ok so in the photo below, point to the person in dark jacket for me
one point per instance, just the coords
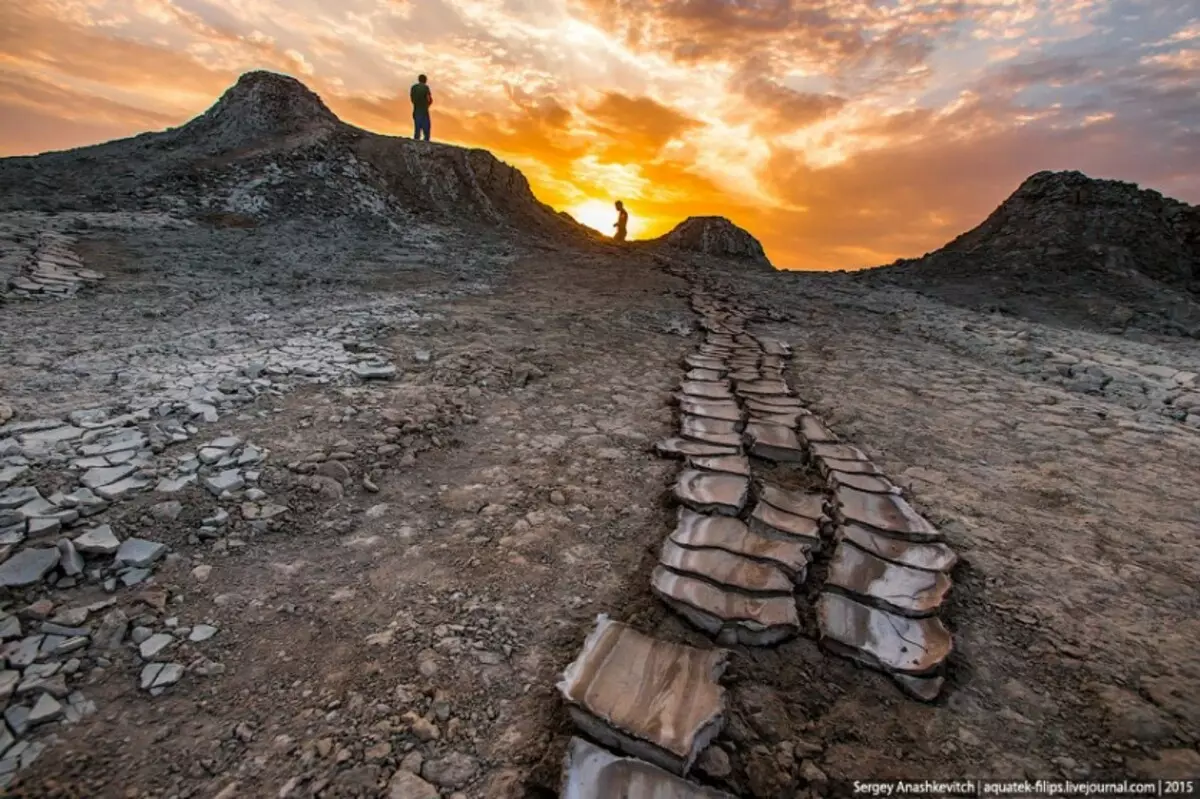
(622, 221)
(421, 98)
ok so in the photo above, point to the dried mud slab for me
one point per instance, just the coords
(787, 419)
(731, 616)
(704, 362)
(887, 512)
(732, 535)
(893, 587)
(769, 520)
(773, 443)
(827, 466)
(745, 374)
(932, 556)
(840, 452)
(814, 431)
(775, 347)
(590, 772)
(726, 568)
(811, 506)
(879, 639)
(776, 388)
(728, 464)
(710, 351)
(705, 375)
(711, 409)
(773, 404)
(706, 390)
(710, 431)
(871, 483)
(682, 448)
(652, 699)
(711, 492)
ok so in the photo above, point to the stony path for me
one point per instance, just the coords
(453, 529)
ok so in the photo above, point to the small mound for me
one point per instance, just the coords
(1065, 248)
(260, 106)
(718, 237)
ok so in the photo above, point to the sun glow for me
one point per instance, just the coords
(602, 216)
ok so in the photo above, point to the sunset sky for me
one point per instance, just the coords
(842, 133)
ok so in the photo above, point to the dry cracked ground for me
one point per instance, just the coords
(379, 489)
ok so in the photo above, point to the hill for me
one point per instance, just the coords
(1072, 250)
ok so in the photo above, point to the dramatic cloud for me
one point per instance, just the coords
(843, 133)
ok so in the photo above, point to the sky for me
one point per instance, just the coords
(841, 133)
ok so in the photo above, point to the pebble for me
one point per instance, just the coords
(139, 552)
(155, 645)
(406, 785)
(98, 541)
(46, 709)
(202, 572)
(202, 632)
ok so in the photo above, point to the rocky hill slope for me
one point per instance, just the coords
(1069, 249)
(270, 148)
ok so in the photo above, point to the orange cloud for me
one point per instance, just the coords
(843, 133)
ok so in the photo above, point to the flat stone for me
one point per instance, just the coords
(98, 541)
(11, 474)
(86, 502)
(43, 526)
(116, 490)
(841, 452)
(775, 347)
(95, 478)
(54, 685)
(728, 464)
(814, 431)
(931, 556)
(18, 496)
(9, 679)
(406, 785)
(28, 567)
(732, 616)
(13, 534)
(705, 389)
(202, 632)
(732, 535)
(170, 674)
(174, 485)
(682, 448)
(873, 484)
(711, 492)
(45, 709)
(774, 443)
(24, 653)
(594, 773)
(798, 503)
(827, 466)
(44, 438)
(656, 700)
(770, 521)
(886, 512)
(17, 717)
(766, 403)
(890, 586)
(10, 628)
(784, 419)
(710, 431)
(228, 480)
(139, 552)
(70, 561)
(703, 362)
(155, 645)
(705, 375)
(776, 388)
(924, 688)
(374, 371)
(726, 568)
(880, 639)
(149, 674)
(711, 409)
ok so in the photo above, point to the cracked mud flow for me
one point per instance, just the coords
(299, 510)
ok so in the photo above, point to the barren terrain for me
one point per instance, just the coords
(412, 610)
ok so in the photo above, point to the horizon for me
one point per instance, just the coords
(854, 133)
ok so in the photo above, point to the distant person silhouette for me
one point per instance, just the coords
(421, 98)
(622, 221)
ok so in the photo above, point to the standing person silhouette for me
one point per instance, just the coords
(622, 221)
(421, 98)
